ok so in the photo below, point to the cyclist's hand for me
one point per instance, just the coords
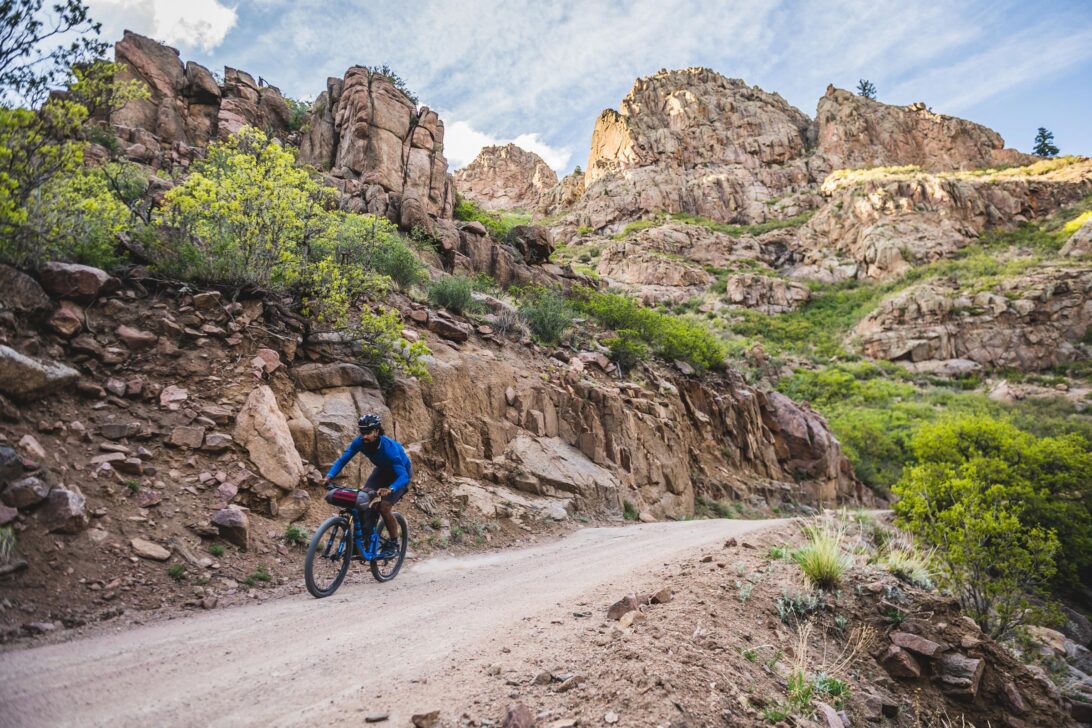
(383, 492)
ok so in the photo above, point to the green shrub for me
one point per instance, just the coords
(629, 510)
(547, 314)
(910, 566)
(455, 293)
(371, 243)
(670, 337)
(245, 214)
(497, 224)
(7, 544)
(299, 112)
(176, 571)
(74, 217)
(216, 549)
(821, 559)
(248, 215)
(797, 606)
(295, 535)
(1009, 513)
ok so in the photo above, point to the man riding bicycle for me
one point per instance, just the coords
(389, 481)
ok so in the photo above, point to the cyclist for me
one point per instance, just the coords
(389, 481)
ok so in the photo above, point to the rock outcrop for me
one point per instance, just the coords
(186, 106)
(854, 131)
(878, 225)
(764, 293)
(506, 178)
(694, 141)
(667, 262)
(1033, 321)
(382, 153)
(563, 195)
(549, 434)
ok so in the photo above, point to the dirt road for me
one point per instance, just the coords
(304, 661)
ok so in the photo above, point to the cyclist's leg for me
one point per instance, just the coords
(378, 479)
(387, 504)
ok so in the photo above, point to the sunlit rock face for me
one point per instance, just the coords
(506, 178)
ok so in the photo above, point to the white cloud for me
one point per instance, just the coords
(462, 142)
(186, 24)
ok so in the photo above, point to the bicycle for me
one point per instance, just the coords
(332, 547)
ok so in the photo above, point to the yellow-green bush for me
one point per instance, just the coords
(1010, 514)
(670, 337)
(248, 215)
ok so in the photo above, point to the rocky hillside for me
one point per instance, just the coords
(506, 178)
(705, 192)
(146, 423)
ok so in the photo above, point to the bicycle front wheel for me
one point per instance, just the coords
(328, 557)
(387, 569)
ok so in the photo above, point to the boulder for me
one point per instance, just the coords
(7, 514)
(324, 422)
(233, 525)
(900, 663)
(25, 492)
(626, 604)
(217, 442)
(310, 377)
(917, 644)
(534, 243)
(960, 675)
(136, 339)
(22, 294)
(1079, 244)
(78, 282)
(187, 436)
(448, 329)
(263, 430)
(294, 506)
(149, 550)
(64, 511)
(24, 378)
(68, 320)
(518, 716)
(11, 466)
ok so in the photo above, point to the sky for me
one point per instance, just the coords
(538, 73)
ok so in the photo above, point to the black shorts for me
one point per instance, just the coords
(382, 478)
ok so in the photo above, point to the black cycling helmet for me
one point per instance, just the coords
(370, 422)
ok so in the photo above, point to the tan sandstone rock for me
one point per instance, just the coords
(262, 429)
(506, 178)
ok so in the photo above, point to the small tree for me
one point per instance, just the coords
(1006, 511)
(28, 68)
(1044, 143)
(866, 88)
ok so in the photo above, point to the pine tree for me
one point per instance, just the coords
(866, 88)
(1044, 144)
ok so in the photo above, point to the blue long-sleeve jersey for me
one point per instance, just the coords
(390, 455)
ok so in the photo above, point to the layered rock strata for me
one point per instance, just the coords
(1033, 321)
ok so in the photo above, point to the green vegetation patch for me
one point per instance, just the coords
(673, 338)
(498, 224)
(735, 230)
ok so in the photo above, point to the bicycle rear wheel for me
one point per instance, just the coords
(387, 569)
(328, 557)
